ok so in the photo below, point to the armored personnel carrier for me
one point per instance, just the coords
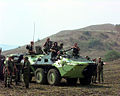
(49, 71)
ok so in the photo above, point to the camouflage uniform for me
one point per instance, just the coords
(47, 46)
(30, 48)
(100, 70)
(6, 77)
(26, 72)
(54, 50)
(76, 50)
(8, 73)
(16, 72)
(94, 76)
(2, 58)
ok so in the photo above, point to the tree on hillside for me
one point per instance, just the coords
(94, 43)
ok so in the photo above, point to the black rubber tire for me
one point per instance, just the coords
(72, 81)
(40, 76)
(53, 77)
(85, 81)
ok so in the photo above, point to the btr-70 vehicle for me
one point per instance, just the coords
(47, 70)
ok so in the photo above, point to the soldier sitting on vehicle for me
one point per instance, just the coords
(47, 46)
(76, 50)
(54, 49)
(61, 51)
(30, 48)
(61, 46)
(87, 57)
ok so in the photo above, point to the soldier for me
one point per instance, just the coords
(26, 72)
(30, 48)
(8, 72)
(94, 77)
(47, 46)
(76, 50)
(19, 68)
(16, 70)
(2, 58)
(87, 57)
(54, 50)
(61, 46)
(100, 70)
(61, 51)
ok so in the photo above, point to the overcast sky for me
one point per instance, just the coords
(17, 17)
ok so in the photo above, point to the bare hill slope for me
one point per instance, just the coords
(93, 40)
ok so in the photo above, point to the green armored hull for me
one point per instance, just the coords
(51, 71)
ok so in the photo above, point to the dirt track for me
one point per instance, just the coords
(111, 86)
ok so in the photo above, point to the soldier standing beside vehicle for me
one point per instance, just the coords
(100, 70)
(26, 72)
(94, 76)
(8, 72)
(2, 58)
(76, 50)
(16, 70)
(47, 46)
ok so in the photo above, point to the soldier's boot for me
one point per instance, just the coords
(27, 86)
(9, 86)
(5, 85)
(102, 80)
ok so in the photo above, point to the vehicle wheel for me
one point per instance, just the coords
(85, 81)
(72, 81)
(53, 77)
(40, 76)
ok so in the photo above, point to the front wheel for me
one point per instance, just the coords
(40, 76)
(53, 77)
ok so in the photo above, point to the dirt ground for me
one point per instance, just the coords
(110, 87)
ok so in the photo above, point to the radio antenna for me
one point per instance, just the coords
(34, 32)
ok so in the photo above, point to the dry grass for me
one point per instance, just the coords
(111, 86)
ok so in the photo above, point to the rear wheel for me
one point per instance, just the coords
(40, 76)
(72, 81)
(53, 77)
(85, 81)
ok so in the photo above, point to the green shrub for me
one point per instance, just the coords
(93, 43)
(111, 55)
(87, 33)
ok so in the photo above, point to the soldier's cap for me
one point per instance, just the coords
(26, 58)
(32, 42)
(61, 44)
(99, 57)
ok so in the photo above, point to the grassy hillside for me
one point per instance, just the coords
(93, 40)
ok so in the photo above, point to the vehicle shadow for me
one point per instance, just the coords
(64, 84)
(85, 86)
